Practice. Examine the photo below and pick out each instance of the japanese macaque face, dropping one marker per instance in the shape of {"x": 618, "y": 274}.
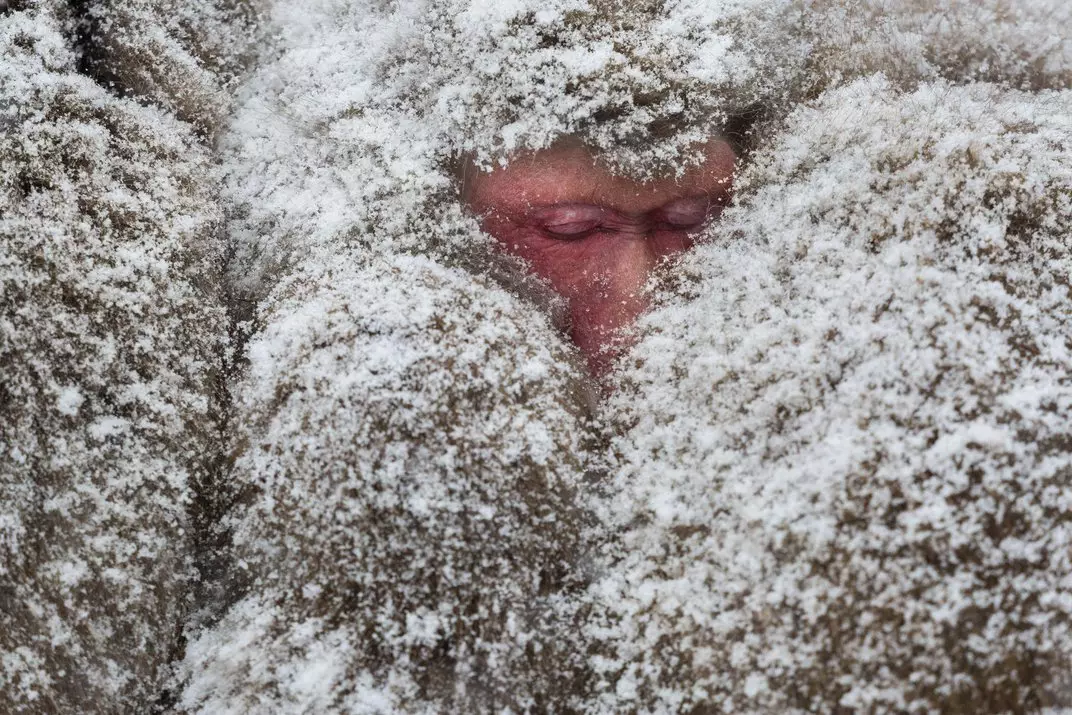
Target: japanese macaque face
{"x": 594, "y": 236}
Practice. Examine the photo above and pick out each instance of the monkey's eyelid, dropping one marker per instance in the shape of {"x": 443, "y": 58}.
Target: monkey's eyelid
{"x": 568, "y": 213}
{"x": 686, "y": 212}
{"x": 570, "y": 228}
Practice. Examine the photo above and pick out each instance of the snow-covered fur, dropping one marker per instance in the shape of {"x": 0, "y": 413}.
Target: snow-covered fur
{"x": 413, "y": 443}
{"x": 183, "y": 55}
{"x": 412, "y": 436}
{"x": 110, "y": 336}
{"x": 843, "y": 471}
{"x": 833, "y": 475}
{"x": 837, "y": 472}
{"x": 1016, "y": 43}
{"x": 352, "y": 130}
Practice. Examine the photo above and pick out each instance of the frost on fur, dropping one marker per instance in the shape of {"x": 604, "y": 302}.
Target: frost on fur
{"x": 353, "y": 128}
{"x": 833, "y": 455}
{"x": 845, "y": 475}
{"x": 411, "y": 452}
{"x": 1023, "y": 44}
{"x": 183, "y": 55}
{"x": 638, "y": 81}
{"x": 107, "y": 339}
{"x": 839, "y": 474}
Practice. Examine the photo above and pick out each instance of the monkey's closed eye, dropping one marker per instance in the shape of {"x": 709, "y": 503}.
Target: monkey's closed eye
{"x": 688, "y": 213}
{"x": 569, "y": 222}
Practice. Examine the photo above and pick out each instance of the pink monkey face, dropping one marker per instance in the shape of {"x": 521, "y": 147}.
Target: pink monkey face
{"x": 596, "y": 237}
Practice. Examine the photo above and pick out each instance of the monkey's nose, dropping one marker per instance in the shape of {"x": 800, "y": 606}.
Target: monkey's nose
{"x": 611, "y": 301}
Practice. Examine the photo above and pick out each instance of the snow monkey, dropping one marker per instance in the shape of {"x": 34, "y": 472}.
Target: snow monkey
{"x": 596, "y": 236}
